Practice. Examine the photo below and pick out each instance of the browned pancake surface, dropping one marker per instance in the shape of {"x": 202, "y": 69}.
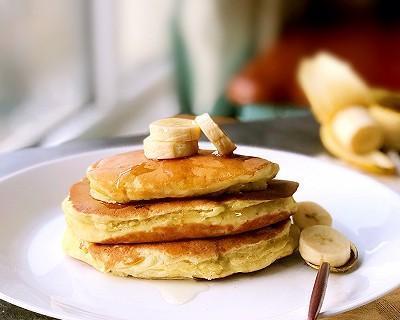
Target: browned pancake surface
{"x": 175, "y": 219}
{"x": 84, "y": 203}
{"x": 131, "y": 176}
{"x": 199, "y": 247}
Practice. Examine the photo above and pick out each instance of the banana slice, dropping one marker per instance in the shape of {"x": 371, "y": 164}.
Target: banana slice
{"x": 324, "y": 244}
{"x": 174, "y": 129}
{"x": 214, "y": 133}
{"x": 357, "y": 130}
{"x": 309, "y": 214}
{"x": 154, "y": 149}
{"x": 389, "y": 121}
{"x": 375, "y": 161}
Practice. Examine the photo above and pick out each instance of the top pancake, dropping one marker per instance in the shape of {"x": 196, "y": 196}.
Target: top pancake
{"x": 131, "y": 176}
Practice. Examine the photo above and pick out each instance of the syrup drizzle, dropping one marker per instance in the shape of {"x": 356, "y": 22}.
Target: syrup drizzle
{"x": 121, "y": 175}
{"x": 137, "y": 170}
{"x": 180, "y": 291}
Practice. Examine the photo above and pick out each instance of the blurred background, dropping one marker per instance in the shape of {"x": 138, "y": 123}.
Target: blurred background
{"x": 73, "y": 69}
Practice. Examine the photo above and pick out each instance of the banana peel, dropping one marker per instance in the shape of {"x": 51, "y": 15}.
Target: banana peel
{"x": 330, "y": 85}
{"x": 389, "y": 121}
{"x": 373, "y": 162}
{"x": 386, "y": 98}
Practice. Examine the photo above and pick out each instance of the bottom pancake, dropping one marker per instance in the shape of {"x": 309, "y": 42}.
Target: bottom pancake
{"x": 204, "y": 258}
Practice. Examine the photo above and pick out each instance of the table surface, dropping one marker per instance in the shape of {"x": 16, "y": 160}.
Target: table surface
{"x": 298, "y": 134}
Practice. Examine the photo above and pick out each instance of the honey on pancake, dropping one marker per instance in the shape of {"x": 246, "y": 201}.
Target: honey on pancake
{"x": 138, "y": 170}
{"x": 131, "y": 176}
{"x": 120, "y": 176}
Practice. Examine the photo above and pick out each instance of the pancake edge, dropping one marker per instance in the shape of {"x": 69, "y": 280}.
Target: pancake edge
{"x": 196, "y": 222}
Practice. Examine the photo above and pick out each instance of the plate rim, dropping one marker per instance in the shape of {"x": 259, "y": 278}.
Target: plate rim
{"x": 334, "y": 311}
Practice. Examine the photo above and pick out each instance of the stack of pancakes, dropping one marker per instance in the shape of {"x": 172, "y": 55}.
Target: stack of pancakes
{"x": 203, "y": 216}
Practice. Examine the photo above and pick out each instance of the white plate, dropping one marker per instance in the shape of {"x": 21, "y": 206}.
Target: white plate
{"x": 35, "y": 274}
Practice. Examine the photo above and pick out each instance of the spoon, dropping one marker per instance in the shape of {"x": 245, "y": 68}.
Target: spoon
{"x": 321, "y": 281}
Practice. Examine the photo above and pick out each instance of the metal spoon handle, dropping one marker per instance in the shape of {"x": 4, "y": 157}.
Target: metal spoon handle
{"x": 318, "y": 293}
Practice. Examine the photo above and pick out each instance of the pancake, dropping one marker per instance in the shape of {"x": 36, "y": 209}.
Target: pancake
{"x": 205, "y": 258}
{"x": 175, "y": 219}
{"x": 131, "y": 176}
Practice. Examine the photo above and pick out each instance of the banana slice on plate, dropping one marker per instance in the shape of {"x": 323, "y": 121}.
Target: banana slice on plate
{"x": 154, "y": 149}
{"x": 309, "y": 214}
{"x": 214, "y": 133}
{"x": 374, "y": 161}
{"x": 356, "y": 130}
{"x": 320, "y": 244}
{"x": 174, "y": 129}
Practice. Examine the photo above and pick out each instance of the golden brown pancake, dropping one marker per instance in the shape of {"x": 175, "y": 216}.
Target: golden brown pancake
{"x": 174, "y": 219}
{"x": 131, "y": 176}
{"x": 205, "y": 258}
